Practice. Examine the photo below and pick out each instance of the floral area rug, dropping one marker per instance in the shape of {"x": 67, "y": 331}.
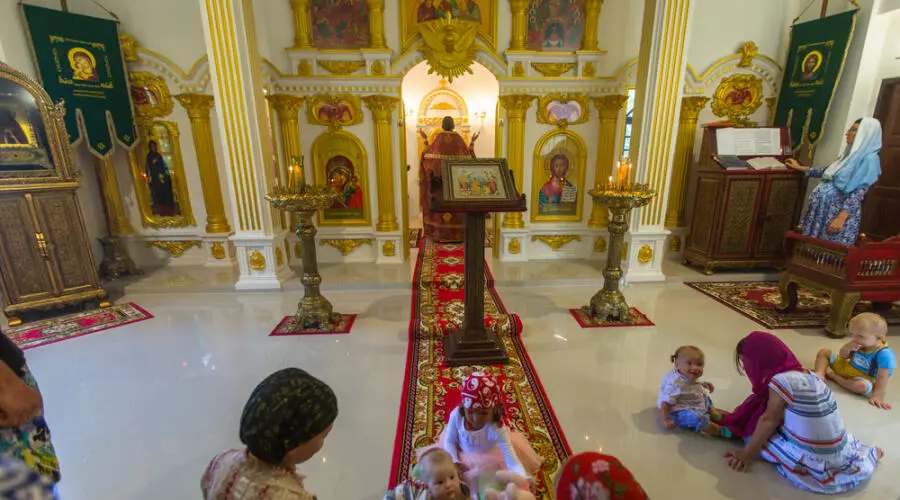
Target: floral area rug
{"x": 48, "y": 331}
{"x": 431, "y": 388}
{"x": 288, "y": 326}
{"x": 757, "y": 300}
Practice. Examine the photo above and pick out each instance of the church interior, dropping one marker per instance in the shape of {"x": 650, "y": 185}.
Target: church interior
{"x": 392, "y": 195}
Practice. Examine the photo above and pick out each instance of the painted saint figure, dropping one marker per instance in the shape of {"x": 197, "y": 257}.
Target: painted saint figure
{"x": 83, "y": 65}
{"x": 558, "y": 195}
{"x": 447, "y": 144}
{"x": 160, "y": 180}
{"x": 342, "y": 180}
{"x": 811, "y": 64}
{"x": 11, "y": 131}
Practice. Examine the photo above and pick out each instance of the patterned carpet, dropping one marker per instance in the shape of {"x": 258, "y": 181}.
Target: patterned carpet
{"x": 415, "y": 236}
{"x": 48, "y": 331}
{"x": 288, "y": 327}
{"x": 757, "y": 300}
{"x": 431, "y": 389}
{"x": 585, "y": 320}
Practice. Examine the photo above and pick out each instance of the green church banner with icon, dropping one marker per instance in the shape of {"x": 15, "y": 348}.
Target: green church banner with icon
{"x": 814, "y": 65}
{"x": 79, "y": 61}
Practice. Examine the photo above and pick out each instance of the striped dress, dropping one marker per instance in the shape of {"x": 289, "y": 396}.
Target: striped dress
{"x": 811, "y": 448}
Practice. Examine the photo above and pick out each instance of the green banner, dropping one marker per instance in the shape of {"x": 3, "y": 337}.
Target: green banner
{"x": 814, "y": 66}
{"x": 79, "y": 61}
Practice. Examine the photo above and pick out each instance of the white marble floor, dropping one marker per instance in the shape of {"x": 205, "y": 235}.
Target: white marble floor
{"x": 136, "y": 412}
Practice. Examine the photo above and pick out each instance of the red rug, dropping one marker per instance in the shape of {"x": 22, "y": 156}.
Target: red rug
{"x": 48, "y": 331}
{"x": 757, "y": 300}
{"x": 288, "y": 326}
{"x": 431, "y": 388}
{"x": 586, "y": 321}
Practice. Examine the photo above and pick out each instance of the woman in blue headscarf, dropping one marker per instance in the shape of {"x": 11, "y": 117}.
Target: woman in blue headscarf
{"x": 835, "y": 205}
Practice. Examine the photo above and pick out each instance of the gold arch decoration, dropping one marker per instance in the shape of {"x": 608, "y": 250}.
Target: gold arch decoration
{"x": 449, "y": 46}
{"x": 737, "y": 97}
{"x": 340, "y": 143}
{"x": 341, "y": 67}
{"x": 175, "y": 248}
{"x": 150, "y": 96}
{"x": 552, "y": 69}
{"x": 167, "y": 138}
{"x": 566, "y": 205}
{"x": 563, "y": 109}
{"x": 334, "y": 110}
{"x": 486, "y": 25}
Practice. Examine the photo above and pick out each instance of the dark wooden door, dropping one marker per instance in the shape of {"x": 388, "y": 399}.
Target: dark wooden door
{"x": 882, "y": 204}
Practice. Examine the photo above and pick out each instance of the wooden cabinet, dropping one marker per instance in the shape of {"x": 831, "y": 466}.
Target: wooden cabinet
{"x": 740, "y": 216}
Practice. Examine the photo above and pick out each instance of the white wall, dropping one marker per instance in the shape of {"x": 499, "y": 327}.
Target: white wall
{"x": 889, "y": 63}
{"x": 619, "y": 33}
{"x": 275, "y": 32}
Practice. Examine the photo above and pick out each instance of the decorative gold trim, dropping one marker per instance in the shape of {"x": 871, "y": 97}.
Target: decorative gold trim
{"x": 378, "y": 68}
{"x": 409, "y": 34}
{"x": 516, "y": 106}
{"x": 156, "y": 85}
{"x": 539, "y": 173}
{"x": 342, "y": 143}
{"x": 279, "y": 256}
{"x": 129, "y": 47}
{"x": 737, "y": 97}
{"x": 747, "y": 52}
{"x": 302, "y": 32}
{"x": 330, "y": 110}
{"x": 519, "y": 12}
{"x": 609, "y": 107}
{"x": 116, "y": 217}
{"x": 218, "y": 250}
{"x": 552, "y": 69}
{"x": 304, "y": 68}
{"x": 341, "y": 67}
{"x": 346, "y": 246}
{"x": 514, "y": 246}
{"x": 382, "y": 108}
{"x": 543, "y": 114}
{"x": 175, "y": 248}
{"x": 449, "y": 46}
{"x": 588, "y": 70}
{"x": 684, "y": 157}
{"x": 600, "y": 244}
{"x": 257, "y": 261}
{"x": 518, "y": 70}
{"x": 556, "y": 241}
{"x": 376, "y": 24}
{"x": 389, "y": 249}
{"x": 645, "y": 254}
{"x": 675, "y": 243}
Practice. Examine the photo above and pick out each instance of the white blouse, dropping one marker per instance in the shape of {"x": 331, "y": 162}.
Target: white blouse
{"x": 458, "y": 439}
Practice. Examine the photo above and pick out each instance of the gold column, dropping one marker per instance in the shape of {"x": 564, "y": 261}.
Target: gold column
{"x": 112, "y": 197}
{"x": 684, "y": 152}
{"x": 519, "y": 9}
{"x": 287, "y": 107}
{"x": 516, "y": 108}
{"x": 376, "y": 24}
{"x": 382, "y": 108}
{"x": 198, "y": 107}
{"x": 608, "y": 107}
{"x": 302, "y": 33}
{"x": 591, "y": 23}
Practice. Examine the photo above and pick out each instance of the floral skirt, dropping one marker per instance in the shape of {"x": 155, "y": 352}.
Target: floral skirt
{"x": 30, "y": 443}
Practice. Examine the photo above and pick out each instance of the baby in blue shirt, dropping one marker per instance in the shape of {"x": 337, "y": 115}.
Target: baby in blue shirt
{"x": 864, "y": 364}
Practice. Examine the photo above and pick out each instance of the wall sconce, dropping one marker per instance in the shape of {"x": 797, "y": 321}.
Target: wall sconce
{"x": 481, "y": 114}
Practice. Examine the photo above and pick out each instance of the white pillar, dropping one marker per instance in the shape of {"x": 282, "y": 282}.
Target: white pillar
{"x": 234, "y": 63}
{"x": 660, "y": 85}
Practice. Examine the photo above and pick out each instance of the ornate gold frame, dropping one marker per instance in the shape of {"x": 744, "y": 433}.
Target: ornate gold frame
{"x": 538, "y": 177}
{"x": 52, "y": 115}
{"x": 340, "y": 142}
{"x": 312, "y": 103}
{"x": 144, "y": 113}
{"x": 543, "y": 116}
{"x": 738, "y": 113}
{"x": 179, "y": 183}
{"x": 409, "y": 32}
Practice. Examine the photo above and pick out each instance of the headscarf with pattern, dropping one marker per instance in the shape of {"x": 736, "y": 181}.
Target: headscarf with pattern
{"x": 594, "y": 476}
{"x": 288, "y": 408}
{"x": 482, "y": 391}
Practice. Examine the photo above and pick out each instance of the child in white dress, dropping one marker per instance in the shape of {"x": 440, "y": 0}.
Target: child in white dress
{"x": 684, "y": 400}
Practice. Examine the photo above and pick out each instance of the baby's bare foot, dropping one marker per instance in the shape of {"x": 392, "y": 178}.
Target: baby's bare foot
{"x": 829, "y": 373}
{"x": 879, "y": 453}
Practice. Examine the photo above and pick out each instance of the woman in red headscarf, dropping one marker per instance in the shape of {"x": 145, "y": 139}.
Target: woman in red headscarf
{"x": 792, "y": 421}
{"x": 591, "y": 475}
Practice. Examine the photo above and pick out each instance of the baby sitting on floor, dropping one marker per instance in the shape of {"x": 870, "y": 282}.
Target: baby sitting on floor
{"x": 439, "y": 480}
{"x": 684, "y": 400}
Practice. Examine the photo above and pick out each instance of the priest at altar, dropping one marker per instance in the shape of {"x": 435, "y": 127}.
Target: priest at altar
{"x": 447, "y": 145}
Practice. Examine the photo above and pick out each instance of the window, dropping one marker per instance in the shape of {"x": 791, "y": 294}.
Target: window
{"x": 629, "y": 118}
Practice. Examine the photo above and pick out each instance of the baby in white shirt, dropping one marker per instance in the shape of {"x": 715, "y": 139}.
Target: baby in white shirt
{"x": 684, "y": 400}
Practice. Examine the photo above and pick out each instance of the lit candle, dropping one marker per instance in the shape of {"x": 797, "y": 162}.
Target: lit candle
{"x": 609, "y": 185}
{"x": 290, "y": 179}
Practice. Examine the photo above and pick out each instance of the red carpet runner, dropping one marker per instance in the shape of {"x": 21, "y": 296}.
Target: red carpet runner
{"x": 431, "y": 389}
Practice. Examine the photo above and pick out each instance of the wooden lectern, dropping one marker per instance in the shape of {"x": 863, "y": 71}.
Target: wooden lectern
{"x": 741, "y": 214}
{"x": 475, "y": 187}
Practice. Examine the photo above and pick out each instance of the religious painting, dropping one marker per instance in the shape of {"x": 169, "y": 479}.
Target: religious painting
{"x": 558, "y": 177}
{"x": 158, "y": 173}
{"x": 555, "y": 25}
{"x": 339, "y": 160}
{"x": 477, "y": 182}
{"x": 571, "y": 109}
{"x": 159, "y": 164}
{"x": 414, "y": 12}
{"x": 339, "y": 24}
{"x": 737, "y": 97}
{"x": 334, "y": 111}
{"x": 23, "y": 139}
{"x": 150, "y": 96}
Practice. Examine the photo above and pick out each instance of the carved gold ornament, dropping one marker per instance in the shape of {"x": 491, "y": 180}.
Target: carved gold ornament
{"x": 257, "y": 260}
{"x": 334, "y": 111}
{"x": 388, "y": 249}
{"x": 514, "y": 246}
{"x": 556, "y": 242}
{"x": 770, "y": 104}
{"x": 378, "y": 68}
{"x": 588, "y": 71}
{"x": 747, "y": 51}
{"x": 449, "y": 46}
{"x": 563, "y": 109}
{"x": 518, "y": 70}
{"x": 304, "y": 68}
{"x": 645, "y": 254}
{"x": 218, "y": 250}
{"x": 150, "y": 96}
{"x": 737, "y": 97}
{"x": 279, "y": 257}
{"x": 552, "y": 69}
{"x": 175, "y": 248}
{"x": 129, "y": 47}
{"x": 675, "y": 243}
{"x": 600, "y": 244}
{"x": 168, "y": 140}
{"x": 346, "y": 246}
{"x": 341, "y": 67}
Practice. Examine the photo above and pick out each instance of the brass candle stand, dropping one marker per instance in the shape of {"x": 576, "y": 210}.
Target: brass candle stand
{"x": 314, "y": 311}
{"x": 609, "y": 301}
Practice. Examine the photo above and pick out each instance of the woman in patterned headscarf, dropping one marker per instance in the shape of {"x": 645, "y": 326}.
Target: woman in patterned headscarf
{"x": 593, "y": 476}
{"x": 284, "y": 423}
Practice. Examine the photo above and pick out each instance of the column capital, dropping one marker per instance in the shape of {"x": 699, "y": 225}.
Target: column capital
{"x": 516, "y": 105}
{"x": 381, "y": 106}
{"x": 197, "y": 105}
{"x": 609, "y": 105}
{"x": 286, "y": 105}
{"x": 691, "y": 107}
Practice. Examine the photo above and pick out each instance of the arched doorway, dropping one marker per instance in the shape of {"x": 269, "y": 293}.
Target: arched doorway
{"x": 472, "y": 102}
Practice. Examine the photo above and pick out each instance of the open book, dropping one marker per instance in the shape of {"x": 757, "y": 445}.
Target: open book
{"x": 765, "y": 163}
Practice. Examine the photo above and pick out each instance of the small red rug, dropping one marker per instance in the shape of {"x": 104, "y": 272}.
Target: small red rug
{"x": 48, "y": 331}
{"x": 586, "y": 321}
{"x": 431, "y": 388}
{"x": 288, "y": 326}
{"x": 757, "y": 300}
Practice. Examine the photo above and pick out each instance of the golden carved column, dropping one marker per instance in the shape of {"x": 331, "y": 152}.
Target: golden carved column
{"x": 302, "y": 27}
{"x": 198, "y": 107}
{"x": 684, "y": 153}
{"x": 608, "y": 107}
{"x": 116, "y": 219}
{"x": 382, "y": 108}
{"x": 591, "y": 23}
{"x": 287, "y": 108}
{"x": 519, "y": 9}
{"x": 376, "y": 24}
{"x": 516, "y": 109}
